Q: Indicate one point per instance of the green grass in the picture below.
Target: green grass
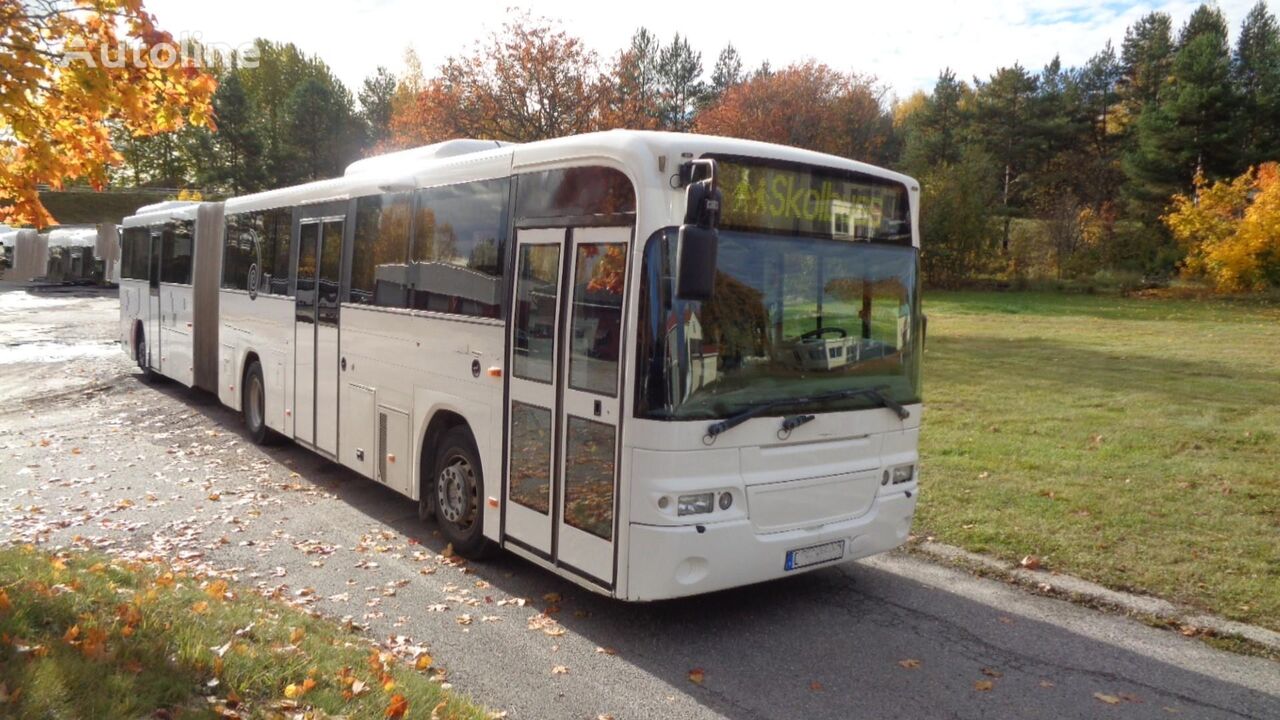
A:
(1134, 442)
(83, 636)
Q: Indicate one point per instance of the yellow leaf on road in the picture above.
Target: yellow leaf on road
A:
(1108, 699)
(983, 685)
(909, 663)
(697, 675)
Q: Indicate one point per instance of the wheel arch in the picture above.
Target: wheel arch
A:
(441, 421)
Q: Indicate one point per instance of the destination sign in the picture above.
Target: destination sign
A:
(808, 201)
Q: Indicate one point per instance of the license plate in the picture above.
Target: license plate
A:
(804, 557)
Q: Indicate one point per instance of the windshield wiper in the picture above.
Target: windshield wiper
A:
(877, 394)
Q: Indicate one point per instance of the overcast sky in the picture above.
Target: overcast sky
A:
(902, 42)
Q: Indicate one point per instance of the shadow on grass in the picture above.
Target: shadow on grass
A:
(999, 362)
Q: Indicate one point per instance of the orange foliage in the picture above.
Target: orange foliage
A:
(55, 122)
(1231, 230)
(528, 81)
(808, 105)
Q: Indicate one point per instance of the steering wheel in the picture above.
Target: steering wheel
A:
(819, 332)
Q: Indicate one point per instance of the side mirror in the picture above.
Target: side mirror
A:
(696, 263)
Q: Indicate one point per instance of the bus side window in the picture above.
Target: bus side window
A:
(458, 238)
(379, 269)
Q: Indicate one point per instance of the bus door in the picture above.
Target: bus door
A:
(316, 333)
(565, 402)
(154, 310)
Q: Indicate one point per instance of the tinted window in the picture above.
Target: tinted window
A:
(276, 227)
(378, 262)
(176, 243)
(239, 251)
(134, 247)
(458, 233)
(574, 192)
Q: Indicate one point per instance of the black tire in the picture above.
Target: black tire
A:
(253, 405)
(457, 487)
(148, 375)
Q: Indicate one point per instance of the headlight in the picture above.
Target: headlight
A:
(903, 473)
(695, 504)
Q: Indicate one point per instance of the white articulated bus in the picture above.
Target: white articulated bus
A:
(657, 364)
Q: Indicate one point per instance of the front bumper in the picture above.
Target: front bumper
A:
(668, 562)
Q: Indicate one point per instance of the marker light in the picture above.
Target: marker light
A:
(903, 473)
(726, 500)
(695, 504)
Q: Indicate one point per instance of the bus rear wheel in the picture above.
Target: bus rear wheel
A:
(253, 403)
(148, 375)
(458, 492)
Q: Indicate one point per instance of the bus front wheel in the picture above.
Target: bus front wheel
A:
(458, 489)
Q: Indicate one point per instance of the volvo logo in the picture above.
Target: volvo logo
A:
(253, 281)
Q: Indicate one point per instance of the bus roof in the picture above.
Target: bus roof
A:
(461, 160)
(162, 212)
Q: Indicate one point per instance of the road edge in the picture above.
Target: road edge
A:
(1152, 610)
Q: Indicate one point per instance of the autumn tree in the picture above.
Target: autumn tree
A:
(529, 81)
(1231, 230)
(808, 105)
(59, 99)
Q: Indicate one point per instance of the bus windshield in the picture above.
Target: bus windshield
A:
(790, 316)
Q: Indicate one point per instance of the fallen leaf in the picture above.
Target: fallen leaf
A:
(816, 686)
(398, 707)
(296, 635)
(697, 675)
(5, 605)
(991, 672)
(200, 608)
(1108, 699)
(909, 663)
(552, 598)
(1046, 683)
(423, 662)
(559, 670)
(1030, 562)
(607, 651)
(983, 685)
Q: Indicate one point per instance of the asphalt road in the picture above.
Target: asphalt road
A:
(92, 457)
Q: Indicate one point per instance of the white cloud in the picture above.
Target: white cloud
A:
(904, 44)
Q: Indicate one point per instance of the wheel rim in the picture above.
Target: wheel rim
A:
(456, 492)
(255, 403)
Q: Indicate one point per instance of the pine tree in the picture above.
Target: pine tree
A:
(1191, 128)
(1256, 74)
(726, 73)
(376, 96)
(1145, 57)
(933, 134)
(679, 76)
(237, 146)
